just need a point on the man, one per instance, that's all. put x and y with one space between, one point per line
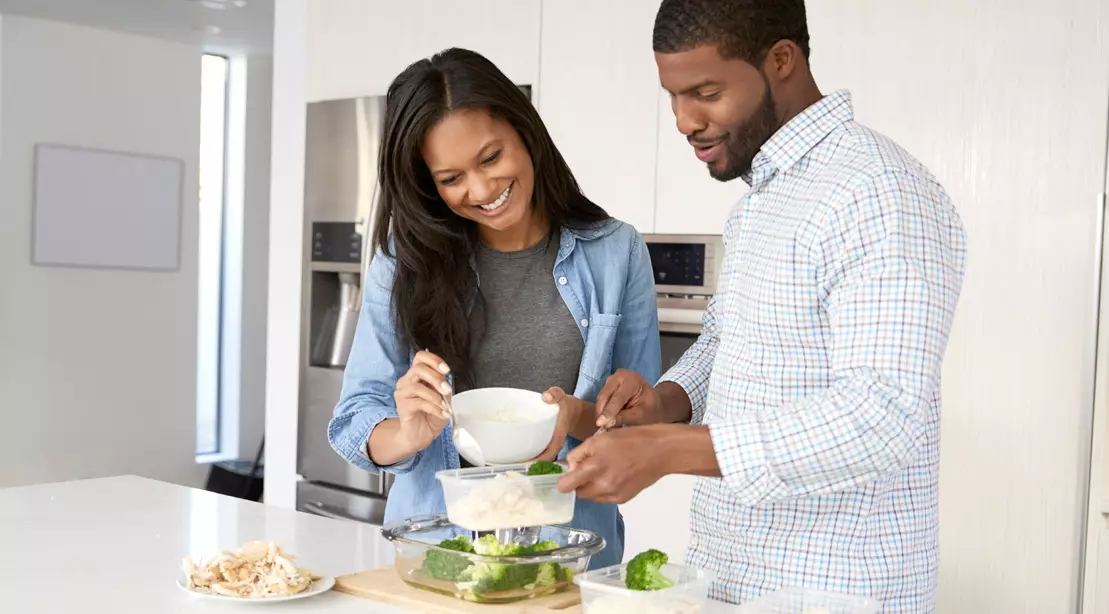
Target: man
813 393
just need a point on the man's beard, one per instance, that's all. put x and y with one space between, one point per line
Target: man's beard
744 142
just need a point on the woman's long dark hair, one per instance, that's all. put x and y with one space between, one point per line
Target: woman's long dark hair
432 245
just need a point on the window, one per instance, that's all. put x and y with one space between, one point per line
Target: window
214 71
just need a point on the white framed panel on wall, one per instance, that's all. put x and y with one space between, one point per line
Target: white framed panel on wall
106 209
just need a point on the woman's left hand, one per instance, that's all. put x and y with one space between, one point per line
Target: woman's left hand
569 413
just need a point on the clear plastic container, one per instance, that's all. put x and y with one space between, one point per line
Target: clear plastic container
421 563
491 498
603 592
806 601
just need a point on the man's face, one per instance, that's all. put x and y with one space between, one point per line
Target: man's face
723 107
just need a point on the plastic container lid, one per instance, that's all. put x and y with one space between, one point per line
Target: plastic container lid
807 601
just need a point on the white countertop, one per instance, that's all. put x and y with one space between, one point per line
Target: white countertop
115 545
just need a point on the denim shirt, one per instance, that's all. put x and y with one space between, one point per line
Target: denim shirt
603 274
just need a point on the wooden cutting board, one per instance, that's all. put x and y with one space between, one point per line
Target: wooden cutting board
384 585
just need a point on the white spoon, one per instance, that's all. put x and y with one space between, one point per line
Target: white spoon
463 441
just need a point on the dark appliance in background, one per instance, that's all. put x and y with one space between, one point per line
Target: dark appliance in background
686 268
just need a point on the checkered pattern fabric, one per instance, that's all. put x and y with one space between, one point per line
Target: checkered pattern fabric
818 370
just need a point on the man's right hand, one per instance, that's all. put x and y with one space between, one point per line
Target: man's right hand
628 400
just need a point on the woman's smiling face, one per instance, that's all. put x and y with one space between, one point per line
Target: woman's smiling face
482 169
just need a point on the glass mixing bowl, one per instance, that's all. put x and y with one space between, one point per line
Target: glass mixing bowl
490 578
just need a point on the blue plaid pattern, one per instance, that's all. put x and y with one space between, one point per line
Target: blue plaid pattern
818 371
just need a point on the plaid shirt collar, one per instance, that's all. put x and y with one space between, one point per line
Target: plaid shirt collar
800 135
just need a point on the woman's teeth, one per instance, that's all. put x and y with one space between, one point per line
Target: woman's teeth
496 204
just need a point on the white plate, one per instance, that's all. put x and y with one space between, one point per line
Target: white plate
322 585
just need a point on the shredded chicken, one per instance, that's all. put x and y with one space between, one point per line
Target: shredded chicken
258 570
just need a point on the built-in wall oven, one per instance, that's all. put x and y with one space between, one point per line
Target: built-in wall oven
686 268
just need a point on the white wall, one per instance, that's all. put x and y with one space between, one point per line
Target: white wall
97 367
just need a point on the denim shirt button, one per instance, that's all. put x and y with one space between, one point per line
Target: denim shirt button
562 281
585 323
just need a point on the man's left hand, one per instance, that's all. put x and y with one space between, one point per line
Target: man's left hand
615 466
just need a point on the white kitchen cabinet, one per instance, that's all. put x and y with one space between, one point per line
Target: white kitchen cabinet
1095 595
991 96
356 47
1098 602
689 200
596 96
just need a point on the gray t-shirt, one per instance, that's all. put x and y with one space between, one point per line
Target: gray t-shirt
522 333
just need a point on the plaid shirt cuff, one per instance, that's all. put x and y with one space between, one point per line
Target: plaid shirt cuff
743 464
695 382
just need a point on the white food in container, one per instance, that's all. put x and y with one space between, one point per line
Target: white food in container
507 500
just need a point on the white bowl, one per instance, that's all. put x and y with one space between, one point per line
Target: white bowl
509 425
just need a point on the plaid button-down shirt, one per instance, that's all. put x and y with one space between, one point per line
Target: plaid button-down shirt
818 370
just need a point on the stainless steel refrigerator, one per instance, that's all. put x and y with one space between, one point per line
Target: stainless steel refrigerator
342 142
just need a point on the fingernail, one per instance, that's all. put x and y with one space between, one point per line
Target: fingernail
445 388
546 398
443 368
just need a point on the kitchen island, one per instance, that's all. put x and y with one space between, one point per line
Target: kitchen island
116 545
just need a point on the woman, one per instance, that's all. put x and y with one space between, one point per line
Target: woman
487 253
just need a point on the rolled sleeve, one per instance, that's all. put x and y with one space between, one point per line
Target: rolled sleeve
349 433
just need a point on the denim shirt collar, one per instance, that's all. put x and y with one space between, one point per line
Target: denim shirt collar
568 238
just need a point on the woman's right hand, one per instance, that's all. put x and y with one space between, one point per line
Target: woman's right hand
420 406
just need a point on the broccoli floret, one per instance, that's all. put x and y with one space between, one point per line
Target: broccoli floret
493 578
489 545
543 546
445 565
644 572
550 574
458 544
544 468
484 578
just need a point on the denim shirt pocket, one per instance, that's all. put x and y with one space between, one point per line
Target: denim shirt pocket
600 338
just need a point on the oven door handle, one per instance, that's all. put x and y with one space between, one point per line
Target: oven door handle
320 509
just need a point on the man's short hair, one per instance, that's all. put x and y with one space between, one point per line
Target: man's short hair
739 29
